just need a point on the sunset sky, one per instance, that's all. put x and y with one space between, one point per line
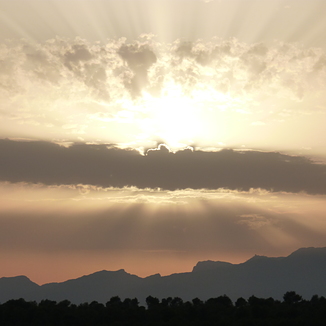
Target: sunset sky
149 135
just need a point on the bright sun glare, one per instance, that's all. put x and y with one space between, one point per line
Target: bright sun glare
173 117
180 120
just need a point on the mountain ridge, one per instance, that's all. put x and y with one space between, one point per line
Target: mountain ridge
303 271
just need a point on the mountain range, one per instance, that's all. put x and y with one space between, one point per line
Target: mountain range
303 271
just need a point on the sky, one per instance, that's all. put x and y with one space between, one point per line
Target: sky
149 135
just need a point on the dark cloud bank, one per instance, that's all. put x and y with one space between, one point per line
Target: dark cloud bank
107 166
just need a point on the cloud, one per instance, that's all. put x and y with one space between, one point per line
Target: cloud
254 221
108 166
98 70
139 58
182 93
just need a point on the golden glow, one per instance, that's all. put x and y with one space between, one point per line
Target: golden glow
173 117
179 120
235 74
85 228
221 93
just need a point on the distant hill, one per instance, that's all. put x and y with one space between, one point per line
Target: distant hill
303 271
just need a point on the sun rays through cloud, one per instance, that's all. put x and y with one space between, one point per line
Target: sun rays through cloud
221 93
142 222
149 135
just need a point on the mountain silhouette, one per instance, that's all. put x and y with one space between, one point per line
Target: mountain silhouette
303 271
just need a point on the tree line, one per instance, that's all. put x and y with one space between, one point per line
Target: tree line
221 311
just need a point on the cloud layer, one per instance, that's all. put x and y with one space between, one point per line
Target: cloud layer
104 70
134 93
107 166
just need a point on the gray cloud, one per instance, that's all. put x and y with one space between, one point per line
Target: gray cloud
79 52
108 166
139 58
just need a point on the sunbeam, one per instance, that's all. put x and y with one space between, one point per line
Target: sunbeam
149 135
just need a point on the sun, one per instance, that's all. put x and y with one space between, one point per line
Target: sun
199 117
173 117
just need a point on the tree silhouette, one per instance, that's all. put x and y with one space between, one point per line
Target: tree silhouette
292 297
292 311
